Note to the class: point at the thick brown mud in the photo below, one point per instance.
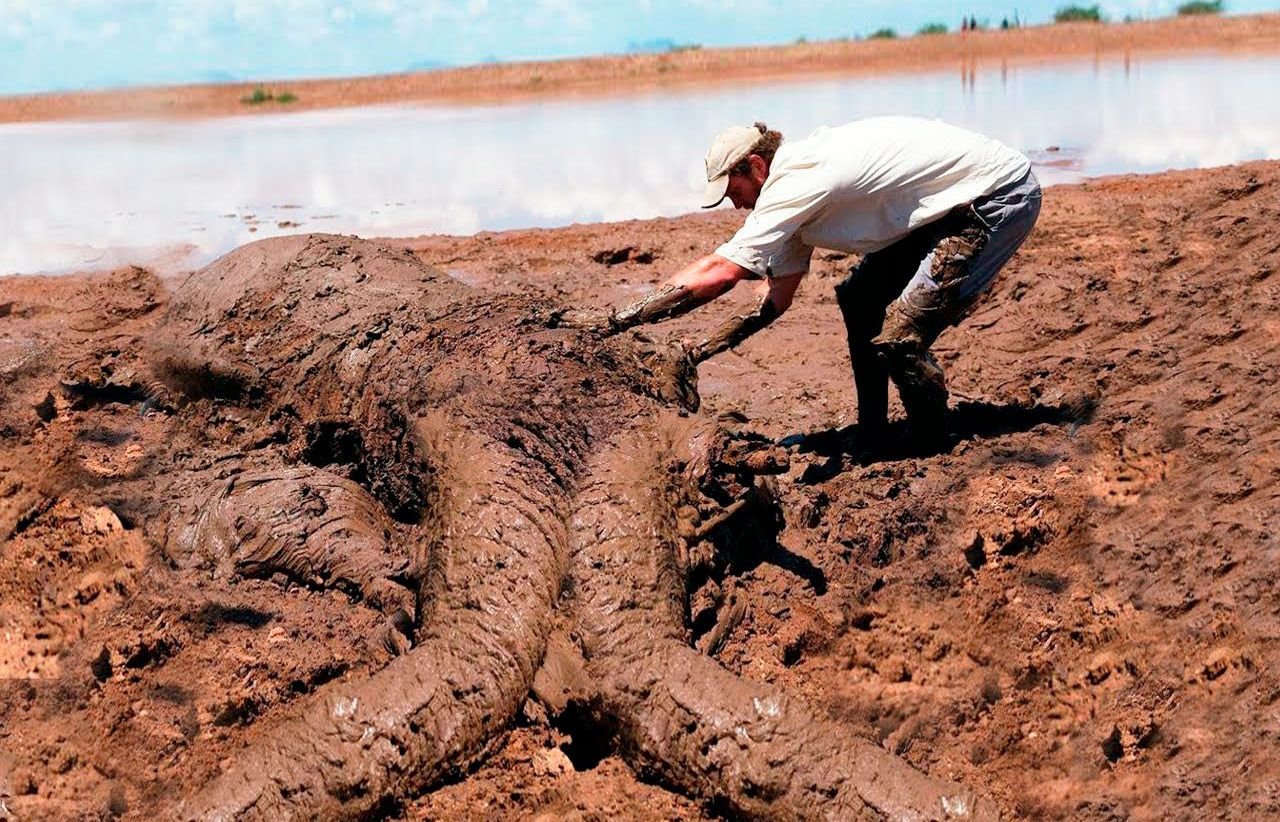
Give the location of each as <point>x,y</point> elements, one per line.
<point>322,531</point>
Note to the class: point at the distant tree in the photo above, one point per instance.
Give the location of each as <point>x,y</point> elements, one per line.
<point>258,97</point>
<point>933,28</point>
<point>882,34</point>
<point>1078,14</point>
<point>1200,7</point>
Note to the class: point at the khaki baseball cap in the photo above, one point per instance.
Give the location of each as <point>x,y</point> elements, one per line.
<point>727,150</point>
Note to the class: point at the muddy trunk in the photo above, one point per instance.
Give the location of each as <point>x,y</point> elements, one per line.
<point>494,575</point>
<point>682,718</point>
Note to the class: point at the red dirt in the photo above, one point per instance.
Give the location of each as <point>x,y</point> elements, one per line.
<point>1072,610</point>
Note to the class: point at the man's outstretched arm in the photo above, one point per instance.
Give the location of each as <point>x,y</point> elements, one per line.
<point>775,298</point>
<point>696,284</point>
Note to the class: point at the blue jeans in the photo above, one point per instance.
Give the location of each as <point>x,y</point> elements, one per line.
<point>1005,217</point>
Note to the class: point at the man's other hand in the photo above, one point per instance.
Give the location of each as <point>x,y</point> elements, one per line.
<point>588,319</point>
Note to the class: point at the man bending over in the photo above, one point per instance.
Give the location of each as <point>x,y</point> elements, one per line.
<point>934,210</point>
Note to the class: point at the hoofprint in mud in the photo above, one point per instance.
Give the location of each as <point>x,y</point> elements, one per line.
<point>483,482</point>
<point>1073,610</point>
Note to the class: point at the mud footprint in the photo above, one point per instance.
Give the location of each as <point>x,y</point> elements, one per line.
<point>1121,477</point>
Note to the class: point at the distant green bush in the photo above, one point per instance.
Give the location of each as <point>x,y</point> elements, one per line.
<point>678,47</point>
<point>882,34</point>
<point>1200,7</point>
<point>1078,14</point>
<point>933,28</point>
<point>261,95</point>
<point>258,97</point>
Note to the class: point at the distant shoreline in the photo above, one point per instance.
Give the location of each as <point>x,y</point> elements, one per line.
<point>681,69</point>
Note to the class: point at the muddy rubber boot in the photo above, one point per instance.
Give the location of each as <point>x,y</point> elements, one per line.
<point>872,439</point>
<point>923,389</point>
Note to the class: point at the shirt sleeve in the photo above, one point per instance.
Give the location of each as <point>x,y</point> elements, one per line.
<point>769,244</point>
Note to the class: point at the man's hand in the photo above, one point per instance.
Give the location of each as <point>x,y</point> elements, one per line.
<point>676,377</point>
<point>775,298</point>
<point>588,319</point>
<point>696,284</point>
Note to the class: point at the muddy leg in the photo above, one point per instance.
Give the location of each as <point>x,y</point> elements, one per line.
<point>680,716</point>
<point>939,294</point>
<point>921,383</point>
<point>862,319</point>
<point>863,296</point>
<point>493,576</point>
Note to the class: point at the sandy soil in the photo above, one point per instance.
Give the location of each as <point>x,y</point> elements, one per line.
<point>1074,608</point>
<point>662,72</point>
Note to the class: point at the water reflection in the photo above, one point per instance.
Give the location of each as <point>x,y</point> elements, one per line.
<point>79,195</point>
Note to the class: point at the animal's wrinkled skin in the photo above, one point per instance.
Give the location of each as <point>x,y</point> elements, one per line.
<point>452,461</point>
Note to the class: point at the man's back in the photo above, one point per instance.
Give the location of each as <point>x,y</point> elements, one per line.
<point>864,185</point>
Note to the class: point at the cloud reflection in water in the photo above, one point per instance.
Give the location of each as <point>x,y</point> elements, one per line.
<point>179,193</point>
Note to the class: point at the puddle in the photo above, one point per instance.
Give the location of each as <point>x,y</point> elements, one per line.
<point>466,277</point>
<point>84,195</point>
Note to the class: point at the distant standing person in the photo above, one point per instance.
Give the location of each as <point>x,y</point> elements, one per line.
<point>935,210</point>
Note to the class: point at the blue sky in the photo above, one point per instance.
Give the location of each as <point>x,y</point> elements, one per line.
<point>75,44</point>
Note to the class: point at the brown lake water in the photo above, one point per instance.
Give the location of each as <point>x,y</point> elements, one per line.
<point>88,195</point>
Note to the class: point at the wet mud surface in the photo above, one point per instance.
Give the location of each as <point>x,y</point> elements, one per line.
<point>330,528</point>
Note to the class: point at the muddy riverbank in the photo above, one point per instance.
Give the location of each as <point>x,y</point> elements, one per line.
<point>1071,609</point>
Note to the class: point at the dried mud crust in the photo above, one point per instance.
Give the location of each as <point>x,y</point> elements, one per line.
<point>366,453</point>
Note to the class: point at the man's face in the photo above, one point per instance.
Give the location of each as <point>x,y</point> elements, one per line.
<point>744,189</point>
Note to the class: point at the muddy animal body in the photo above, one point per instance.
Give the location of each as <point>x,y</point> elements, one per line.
<point>444,458</point>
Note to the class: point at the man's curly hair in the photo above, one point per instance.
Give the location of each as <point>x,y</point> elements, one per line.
<point>765,147</point>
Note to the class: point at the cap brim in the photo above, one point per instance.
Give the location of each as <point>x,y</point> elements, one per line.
<point>716,190</point>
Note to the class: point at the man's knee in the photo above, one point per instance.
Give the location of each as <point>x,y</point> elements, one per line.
<point>903,330</point>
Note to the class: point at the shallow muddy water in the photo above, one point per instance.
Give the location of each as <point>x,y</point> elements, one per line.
<point>85,195</point>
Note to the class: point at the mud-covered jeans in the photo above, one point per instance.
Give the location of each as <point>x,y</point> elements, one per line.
<point>897,300</point>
